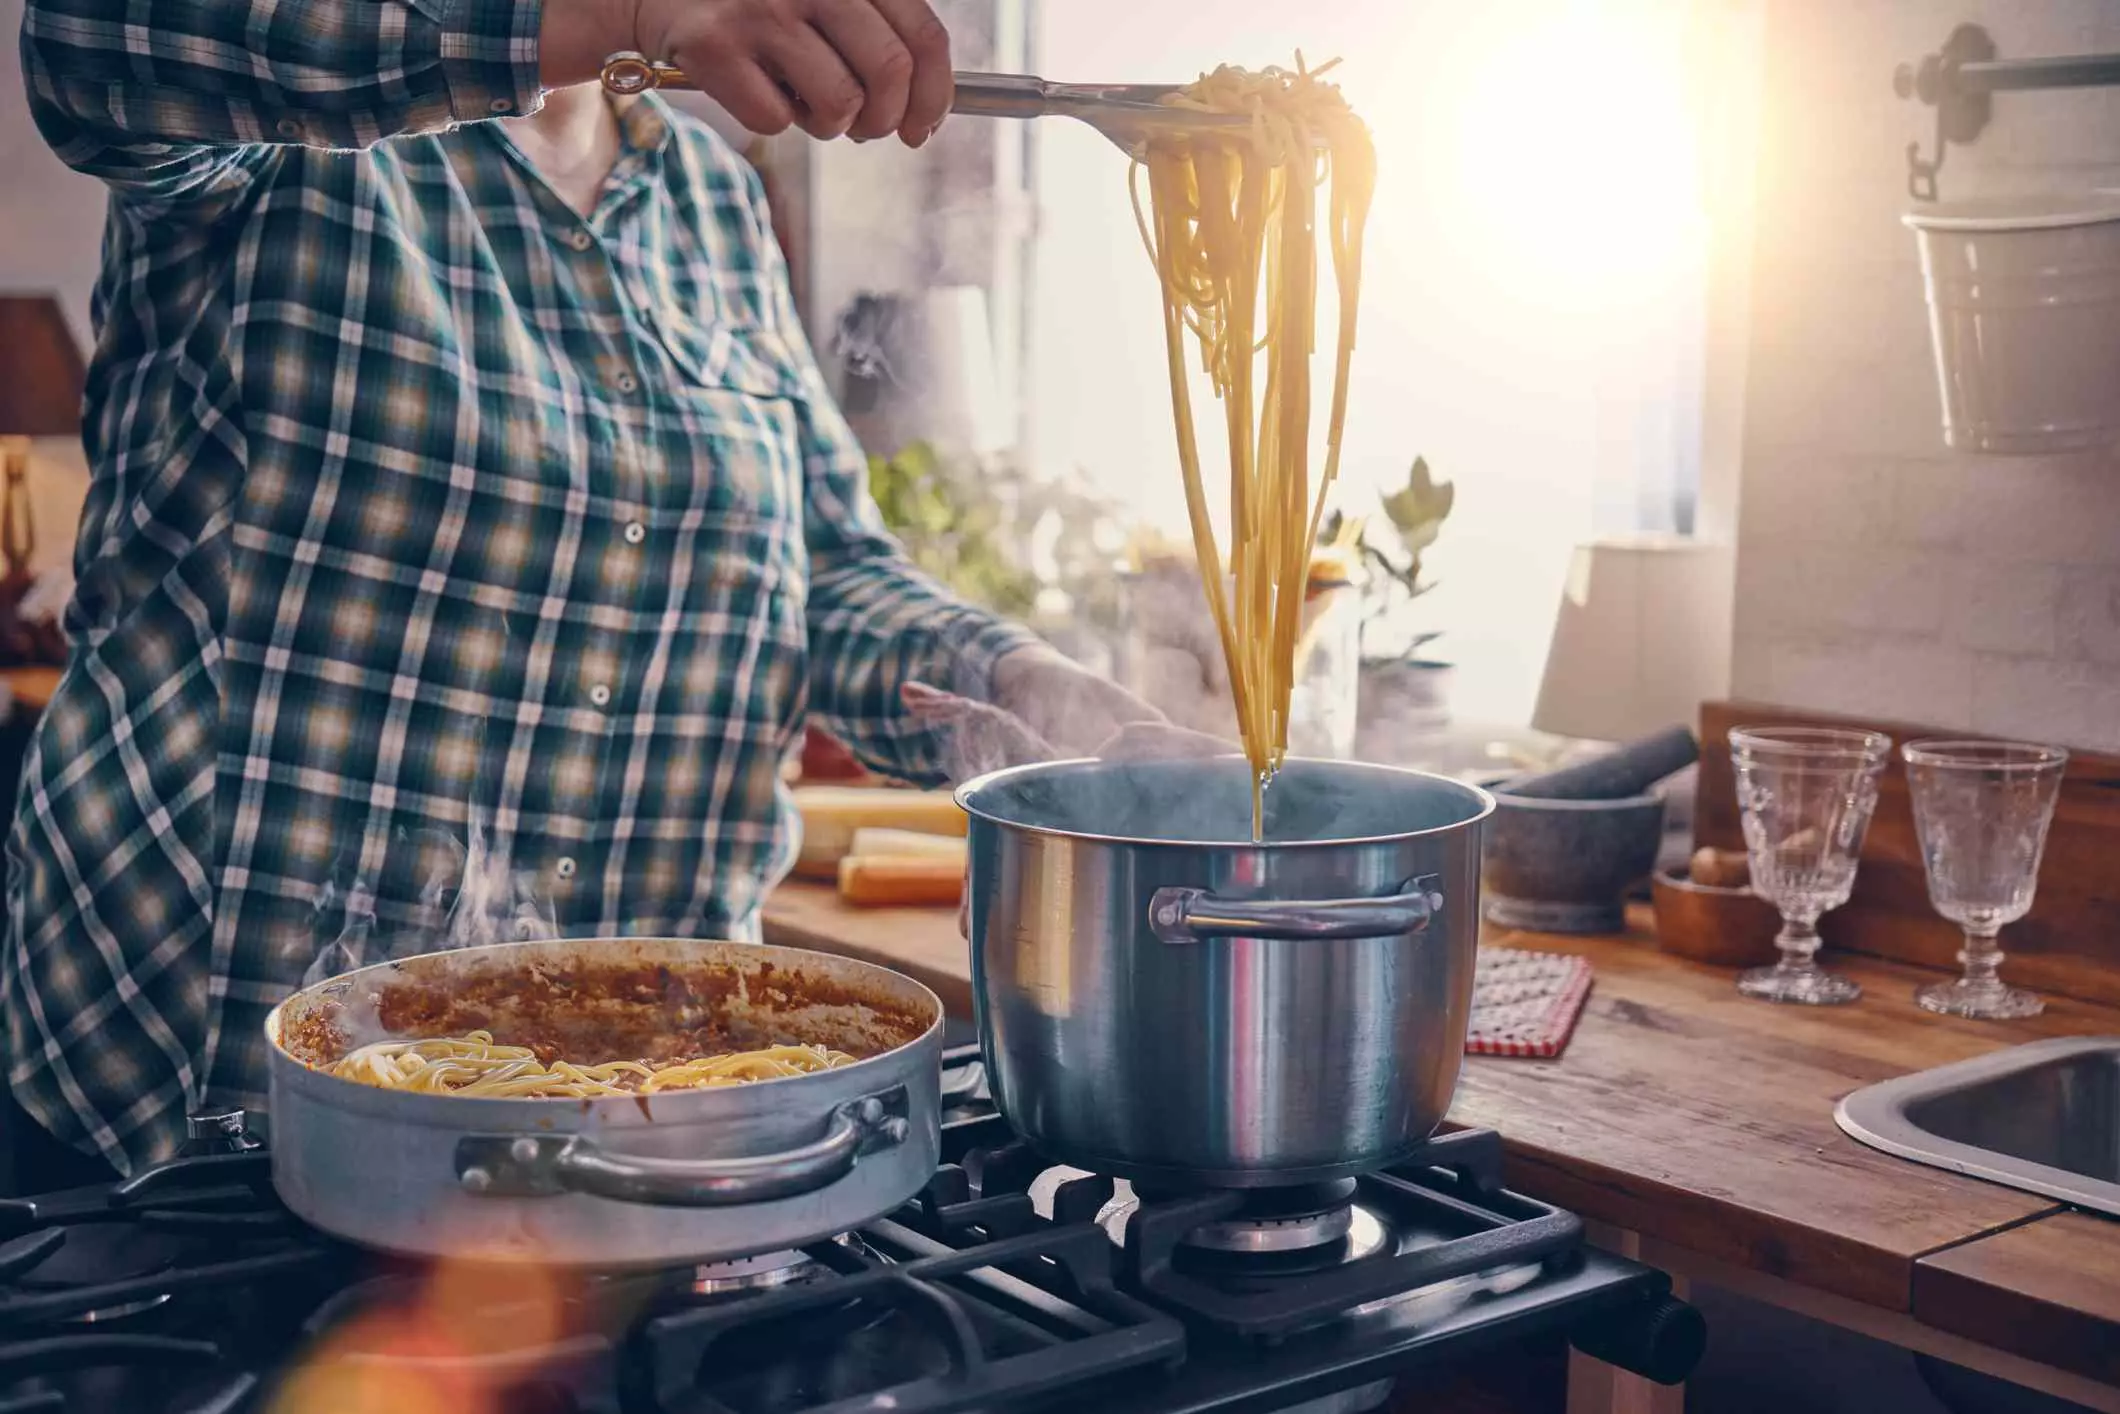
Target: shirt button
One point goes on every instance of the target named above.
(580, 239)
(600, 695)
(625, 382)
(565, 867)
(635, 532)
(502, 105)
(288, 127)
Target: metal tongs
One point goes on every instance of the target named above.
(1124, 112)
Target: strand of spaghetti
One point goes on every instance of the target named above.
(1189, 460)
(1232, 230)
(474, 1065)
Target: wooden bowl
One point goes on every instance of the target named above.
(1725, 927)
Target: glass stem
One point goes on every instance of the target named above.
(1981, 957)
(1799, 943)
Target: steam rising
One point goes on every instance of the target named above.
(1209, 802)
(1161, 781)
(472, 895)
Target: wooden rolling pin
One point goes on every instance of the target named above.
(901, 881)
(832, 814)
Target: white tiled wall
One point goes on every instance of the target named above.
(1877, 573)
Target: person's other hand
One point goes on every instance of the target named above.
(834, 68)
(1073, 701)
(1066, 704)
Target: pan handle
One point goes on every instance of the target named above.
(1195, 915)
(547, 1165)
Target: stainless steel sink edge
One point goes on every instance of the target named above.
(1876, 1116)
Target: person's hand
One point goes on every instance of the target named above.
(1073, 703)
(1066, 704)
(834, 68)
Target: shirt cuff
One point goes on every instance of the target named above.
(489, 57)
(971, 647)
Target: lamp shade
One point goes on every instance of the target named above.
(1641, 640)
(40, 369)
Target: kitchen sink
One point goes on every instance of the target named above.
(2043, 1117)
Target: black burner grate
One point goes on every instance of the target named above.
(191, 1290)
(1012, 1320)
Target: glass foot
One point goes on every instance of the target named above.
(1986, 1001)
(1805, 986)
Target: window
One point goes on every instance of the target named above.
(1537, 298)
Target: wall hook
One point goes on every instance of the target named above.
(1962, 109)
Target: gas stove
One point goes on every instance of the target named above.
(1008, 1284)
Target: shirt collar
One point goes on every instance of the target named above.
(643, 122)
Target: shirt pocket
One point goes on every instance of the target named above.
(743, 409)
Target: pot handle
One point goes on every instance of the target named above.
(547, 1165)
(1195, 915)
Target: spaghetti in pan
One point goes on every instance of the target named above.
(475, 1065)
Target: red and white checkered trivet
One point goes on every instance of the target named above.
(1525, 1003)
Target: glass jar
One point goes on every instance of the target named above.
(1322, 710)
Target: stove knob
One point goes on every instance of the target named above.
(1660, 1340)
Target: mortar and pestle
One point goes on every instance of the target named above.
(1564, 847)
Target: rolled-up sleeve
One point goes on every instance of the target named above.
(195, 95)
(875, 621)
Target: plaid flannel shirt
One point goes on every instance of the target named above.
(425, 513)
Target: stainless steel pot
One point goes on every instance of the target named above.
(1161, 999)
(682, 1176)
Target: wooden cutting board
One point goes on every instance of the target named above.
(923, 943)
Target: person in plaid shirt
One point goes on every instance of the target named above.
(454, 478)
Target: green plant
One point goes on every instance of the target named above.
(950, 532)
(999, 538)
(1392, 572)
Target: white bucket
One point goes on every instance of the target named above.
(2024, 308)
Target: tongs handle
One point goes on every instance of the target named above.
(978, 95)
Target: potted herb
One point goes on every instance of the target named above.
(1399, 678)
(1041, 552)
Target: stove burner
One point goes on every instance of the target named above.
(96, 1252)
(761, 1273)
(1282, 1220)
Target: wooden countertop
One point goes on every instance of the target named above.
(2053, 1285)
(32, 687)
(1688, 1114)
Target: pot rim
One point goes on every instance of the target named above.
(1484, 799)
(621, 1111)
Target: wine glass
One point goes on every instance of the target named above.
(1981, 811)
(1806, 794)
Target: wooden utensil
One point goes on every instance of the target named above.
(1724, 926)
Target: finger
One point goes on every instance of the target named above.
(879, 59)
(747, 91)
(932, 704)
(830, 94)
(934, 86)
(979, 737)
